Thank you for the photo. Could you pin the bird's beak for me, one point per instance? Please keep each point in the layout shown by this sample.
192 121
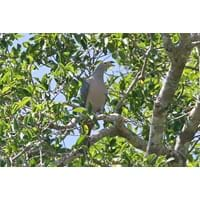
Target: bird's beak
111 63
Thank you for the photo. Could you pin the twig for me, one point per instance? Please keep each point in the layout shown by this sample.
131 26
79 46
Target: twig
145 62
195 43
139 76
130 88
179 117
41 160
195 143
26 148
69 126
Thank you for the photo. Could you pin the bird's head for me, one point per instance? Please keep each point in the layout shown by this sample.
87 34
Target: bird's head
101 68
106 65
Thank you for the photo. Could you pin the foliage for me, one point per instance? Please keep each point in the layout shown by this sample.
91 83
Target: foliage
32 116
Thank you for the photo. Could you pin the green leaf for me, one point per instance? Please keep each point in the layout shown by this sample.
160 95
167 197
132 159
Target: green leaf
19 105
15 124
30 58
6 89
6 77
45 81
18 36
69 68
24 101
84 43
81 140
141 45
113 142
80 109
28 119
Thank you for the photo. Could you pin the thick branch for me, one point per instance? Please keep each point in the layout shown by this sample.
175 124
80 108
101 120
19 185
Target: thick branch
195 37
107 132
168 45
69 157
139 143
115 117
191 125
188 132
118 129
92 140
178 55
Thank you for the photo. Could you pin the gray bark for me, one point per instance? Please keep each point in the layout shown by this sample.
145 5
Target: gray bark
178 55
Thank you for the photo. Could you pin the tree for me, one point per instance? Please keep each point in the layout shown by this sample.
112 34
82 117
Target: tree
152 115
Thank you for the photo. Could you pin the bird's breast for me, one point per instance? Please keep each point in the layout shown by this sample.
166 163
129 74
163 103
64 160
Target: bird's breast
97 95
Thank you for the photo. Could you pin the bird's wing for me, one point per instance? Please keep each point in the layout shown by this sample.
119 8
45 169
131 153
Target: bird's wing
84 91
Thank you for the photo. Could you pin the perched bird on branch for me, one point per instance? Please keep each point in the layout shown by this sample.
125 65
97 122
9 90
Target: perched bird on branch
93 91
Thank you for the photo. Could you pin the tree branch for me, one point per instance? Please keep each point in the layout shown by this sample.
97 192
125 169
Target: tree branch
178 55
193 146
66 159
25 149
130 88
188 131
118 129
139 76
191 125
142 75
195 37
69 126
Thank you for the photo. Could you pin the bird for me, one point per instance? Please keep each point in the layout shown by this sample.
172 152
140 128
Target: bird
93 90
